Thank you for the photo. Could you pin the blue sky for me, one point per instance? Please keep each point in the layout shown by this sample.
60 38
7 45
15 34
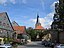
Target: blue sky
24 12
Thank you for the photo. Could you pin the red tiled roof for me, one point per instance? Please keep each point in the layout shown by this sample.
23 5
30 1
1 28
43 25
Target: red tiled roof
19 28
39 27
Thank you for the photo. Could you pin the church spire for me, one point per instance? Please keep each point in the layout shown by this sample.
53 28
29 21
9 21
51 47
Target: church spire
37 22
37 19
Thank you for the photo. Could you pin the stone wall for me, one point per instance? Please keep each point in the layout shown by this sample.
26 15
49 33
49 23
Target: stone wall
54 35
61 37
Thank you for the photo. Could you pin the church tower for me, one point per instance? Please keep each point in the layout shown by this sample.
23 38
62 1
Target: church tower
38 28
37 22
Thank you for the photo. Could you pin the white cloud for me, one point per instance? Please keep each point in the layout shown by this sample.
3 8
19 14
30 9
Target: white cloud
53 5
49 19
24 1
5 2
46 21
42 20
13 1
42 4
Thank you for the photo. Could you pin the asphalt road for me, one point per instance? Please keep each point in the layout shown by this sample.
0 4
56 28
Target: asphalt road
36 44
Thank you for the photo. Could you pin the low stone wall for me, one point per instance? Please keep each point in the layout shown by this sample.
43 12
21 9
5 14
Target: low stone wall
55 36
61 37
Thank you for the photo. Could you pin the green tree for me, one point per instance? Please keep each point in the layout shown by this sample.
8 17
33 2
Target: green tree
31 32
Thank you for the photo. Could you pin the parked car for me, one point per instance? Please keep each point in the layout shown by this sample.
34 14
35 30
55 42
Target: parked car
47 43
43 42
59 46
19 41
5 46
